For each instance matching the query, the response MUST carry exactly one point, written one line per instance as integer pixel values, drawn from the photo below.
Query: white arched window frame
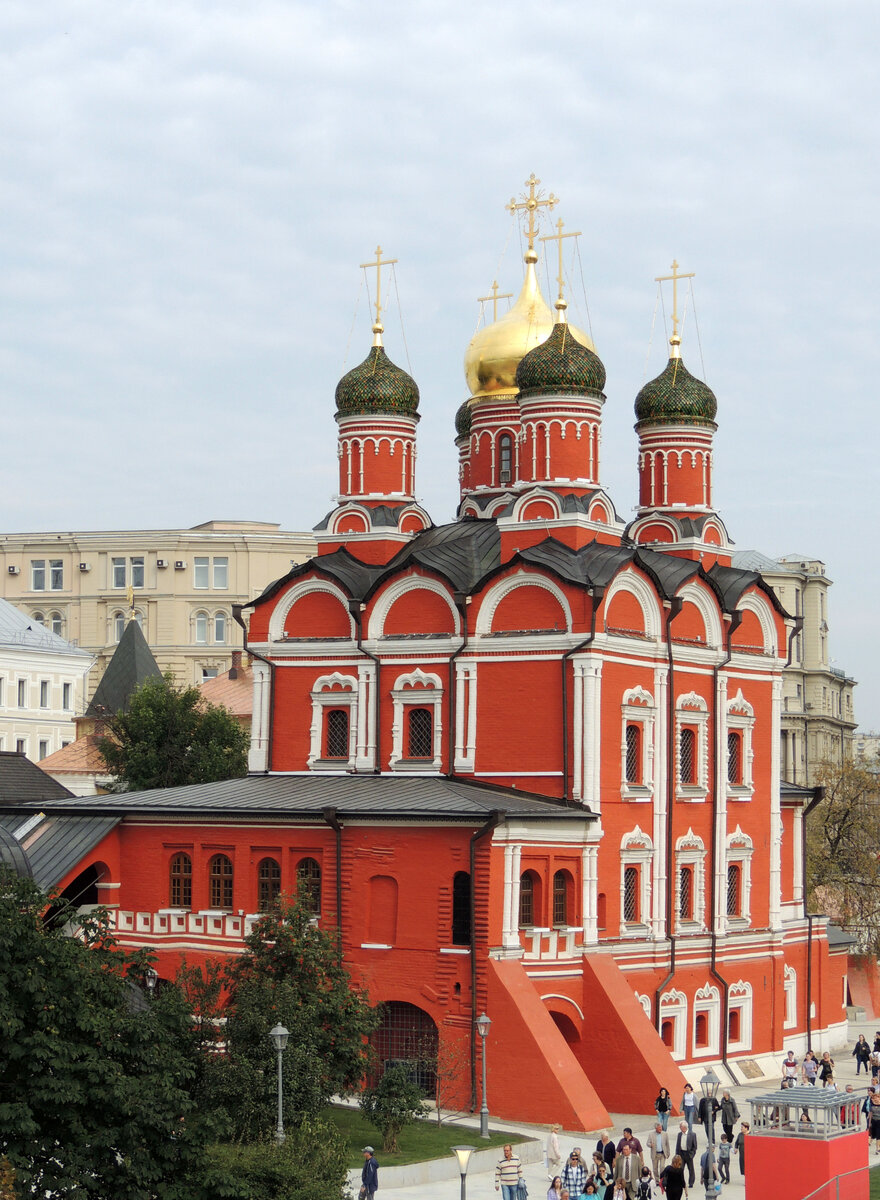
(690, 856)
(739, 1000)
(636, 852)
(674, 1008)
(707, 1002)
(56, 623)
(645, 1002)
(118, 626)
(329, 692)
(707, 607)
(200, 628)
(220, 628)
(755, 603)
(419, 689)
(739, 853)
(403, 587)
(691, 712)
(498, 591)
(638, 710)
(741, 720)
(644, 593)
(789, 986)
(281, 612)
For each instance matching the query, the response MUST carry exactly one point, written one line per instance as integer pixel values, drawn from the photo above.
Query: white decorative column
(510, 929)
(719, 917)
(465, 715)
(661, 799)
(577, 733)
(775, 809)
(366, 718)
(591, 730)
(258, 756)
(590, 873)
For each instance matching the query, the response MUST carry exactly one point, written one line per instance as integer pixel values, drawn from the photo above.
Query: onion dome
(561, 365)
(676, 397)
(496, 351)
(463, 421)
(377, 386)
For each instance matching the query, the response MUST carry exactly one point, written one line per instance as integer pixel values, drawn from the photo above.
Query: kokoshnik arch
(527, 762)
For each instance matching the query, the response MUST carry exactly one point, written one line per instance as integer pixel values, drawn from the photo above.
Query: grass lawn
(418, 1142)
(875, 1183)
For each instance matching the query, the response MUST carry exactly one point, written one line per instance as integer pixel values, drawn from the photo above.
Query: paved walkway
(481, 1184)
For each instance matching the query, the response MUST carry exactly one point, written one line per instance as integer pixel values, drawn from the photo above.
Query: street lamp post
(709, 1085)
(279, 1035)
(463, 1154)
(483, 1023)
(151, 978)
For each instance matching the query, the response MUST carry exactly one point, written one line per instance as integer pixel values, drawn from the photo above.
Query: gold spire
(561, 304)
(530, 204)
(675, 340)
(378, 327)
(495, 297)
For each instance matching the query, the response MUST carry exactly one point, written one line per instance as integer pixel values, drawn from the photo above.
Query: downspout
(596, 595)
(675, 606)
(795, 630)
(460, 601)
(354, 608)
(735, 620)
(495, 819)
(818, 797)
(329, 815)
(810, 919)
(236, 616)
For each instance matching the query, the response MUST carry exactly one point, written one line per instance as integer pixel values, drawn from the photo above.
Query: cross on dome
(530, 204)
(378, 327)
(675, 340)
(495, 297)
(561, 304)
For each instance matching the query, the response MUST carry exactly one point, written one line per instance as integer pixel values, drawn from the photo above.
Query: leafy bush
(309, 1165)
(395, 1101)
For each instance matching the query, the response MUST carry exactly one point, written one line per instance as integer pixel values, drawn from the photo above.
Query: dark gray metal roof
(377, 797)
(838, 938)
(132, 663)
(58, 842)
(381, 515)
(23, 782)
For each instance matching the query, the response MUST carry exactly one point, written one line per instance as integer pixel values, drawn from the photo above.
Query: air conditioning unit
(180, 565)
(14, 570)
(85, 567)
(161, 563)
(505, 477)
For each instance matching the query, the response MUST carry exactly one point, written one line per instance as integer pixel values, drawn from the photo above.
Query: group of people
(812, 1070)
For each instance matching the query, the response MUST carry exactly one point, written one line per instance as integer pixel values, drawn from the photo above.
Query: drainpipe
(236, 616)
(596, 595)
(354, 608)
(329, 815)
(818, 797)
(460, 601)
(495, 819)
(675, 606)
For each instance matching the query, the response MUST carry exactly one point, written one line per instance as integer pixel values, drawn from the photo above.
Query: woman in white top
(554, 1154)
(688, 1105)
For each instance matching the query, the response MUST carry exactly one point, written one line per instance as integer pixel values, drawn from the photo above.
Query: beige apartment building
(818, 718)
(180, 585)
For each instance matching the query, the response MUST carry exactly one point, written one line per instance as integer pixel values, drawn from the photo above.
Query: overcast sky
(187, 190)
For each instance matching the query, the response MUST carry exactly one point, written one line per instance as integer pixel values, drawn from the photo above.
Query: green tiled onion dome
(676, 397)
(463, 421)
(561, 364)
(377, 386)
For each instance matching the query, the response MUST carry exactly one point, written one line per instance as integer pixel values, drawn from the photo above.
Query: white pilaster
(258, 756)
(775, 809)
(591, 732)
(590, 873)
(661, 799)
(719, 917)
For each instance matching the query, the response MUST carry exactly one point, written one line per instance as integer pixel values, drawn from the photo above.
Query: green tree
(94, 1080)
(170, 737)
(395, 1102)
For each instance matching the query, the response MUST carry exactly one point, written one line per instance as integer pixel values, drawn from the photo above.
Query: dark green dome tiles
(463, 421)
(377, 386)
(676, 396)
(561, 365)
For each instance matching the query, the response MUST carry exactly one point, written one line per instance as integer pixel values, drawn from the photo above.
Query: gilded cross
(379, 264)
(495, 297)
(675, 276)
(530, 204)
(559, 237)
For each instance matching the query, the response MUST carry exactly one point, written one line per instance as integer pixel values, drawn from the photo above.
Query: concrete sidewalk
(428, 1185)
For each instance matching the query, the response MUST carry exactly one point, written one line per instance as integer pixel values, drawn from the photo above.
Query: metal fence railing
(851, 1185)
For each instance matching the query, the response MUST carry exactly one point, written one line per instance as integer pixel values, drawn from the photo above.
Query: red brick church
(528, 762)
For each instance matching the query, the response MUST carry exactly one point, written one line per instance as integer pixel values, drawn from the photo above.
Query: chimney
(236, 664)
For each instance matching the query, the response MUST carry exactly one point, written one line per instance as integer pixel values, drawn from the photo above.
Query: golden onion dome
(496, 350)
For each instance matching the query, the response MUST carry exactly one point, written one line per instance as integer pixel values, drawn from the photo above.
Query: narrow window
(21, 746)
(420, 733)
(686, 894)
(308, 885)
(38, 575)
(181, 881)
(734, 758)
(44, 693)
(137, 572)
(527, 899)
(667, 1033)
(56, 574)
(201, 629)
(733, 890)
(461, 909)
(221, 572)
(22, 693)
(701, 1031)
(633, 754)
(560, 898)
(220, 879)
(44, 749)
(337, 733)
(268, 883)
(40, 618)
(631, 894)
(118, 626)
(505, 457)
(56, 623)
(200, 572)
(687, 756)
(733, 1025)
(1, 689)
(219, 629)
(118, 565)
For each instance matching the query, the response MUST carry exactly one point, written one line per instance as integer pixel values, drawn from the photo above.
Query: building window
(44, 693)
(201, 627)
(707, 1020)
(740, 727)
(21, 745)
(221, 573)
(118, 572)
(56, 623)
(633, 754)
(40, 618)
(308, 885)
(201, 572)
(701, 1031)
(631, 895)
(118, 626)
(690, 858)
(38, 576)
(636, 859)
(2, 681)
(561, 902)
(527, 899)
(44, 748)
(137, 572)
(219, 629)
(505, 457)
(22, 693)
(686, 894)
(337, 733)
(734, 890)
(687, 756)
(220, 880)
(65, 696)
(209, 673)
(420, 733)
(734, 758)
(268, 883)
(180, 877)
(461, 909)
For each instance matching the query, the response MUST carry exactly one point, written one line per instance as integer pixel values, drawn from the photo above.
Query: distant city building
(866, 746)
(180, 585)
(818, 719)
(42, 683)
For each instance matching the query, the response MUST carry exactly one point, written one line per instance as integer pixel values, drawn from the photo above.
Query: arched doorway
(406, 1034)
(567, 1028)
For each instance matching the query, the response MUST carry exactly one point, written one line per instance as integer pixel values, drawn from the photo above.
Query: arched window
(631, 894)
(686, 893)
(40, 618)
(633, 754)
(118, 626)
(308, 885)
(734, 890)
(602, 911)
(337, 733)
(527, 899)
(701, 1030)
(461, 909)
(219, 629)
(201, 628)
(268, 883)
(733, 1025)
(420, 733)
(220, 881)
(560, 898)
(56, 623)
(505, 457)
(687, 756)
(734, 758)
(180, 878)
(667, 1030)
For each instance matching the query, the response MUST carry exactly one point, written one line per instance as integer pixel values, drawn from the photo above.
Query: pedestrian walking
(862, 1054)
(369, 1174)
(508, 1173)
(729, 1113)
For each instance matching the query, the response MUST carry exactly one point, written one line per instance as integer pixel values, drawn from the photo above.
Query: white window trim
(691, 852)
(739, 997)
(739, 851)
(692, 711)
(333, 691)
(419, 689)
(789, 986)
(708, 1001)
(645, 1002)
(674, 1007)
(637, 850)
(197, 561)
(741, 719)
(638, 709)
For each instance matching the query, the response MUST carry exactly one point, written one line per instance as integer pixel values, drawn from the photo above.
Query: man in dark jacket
(370, 1173)
(686, 1147)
